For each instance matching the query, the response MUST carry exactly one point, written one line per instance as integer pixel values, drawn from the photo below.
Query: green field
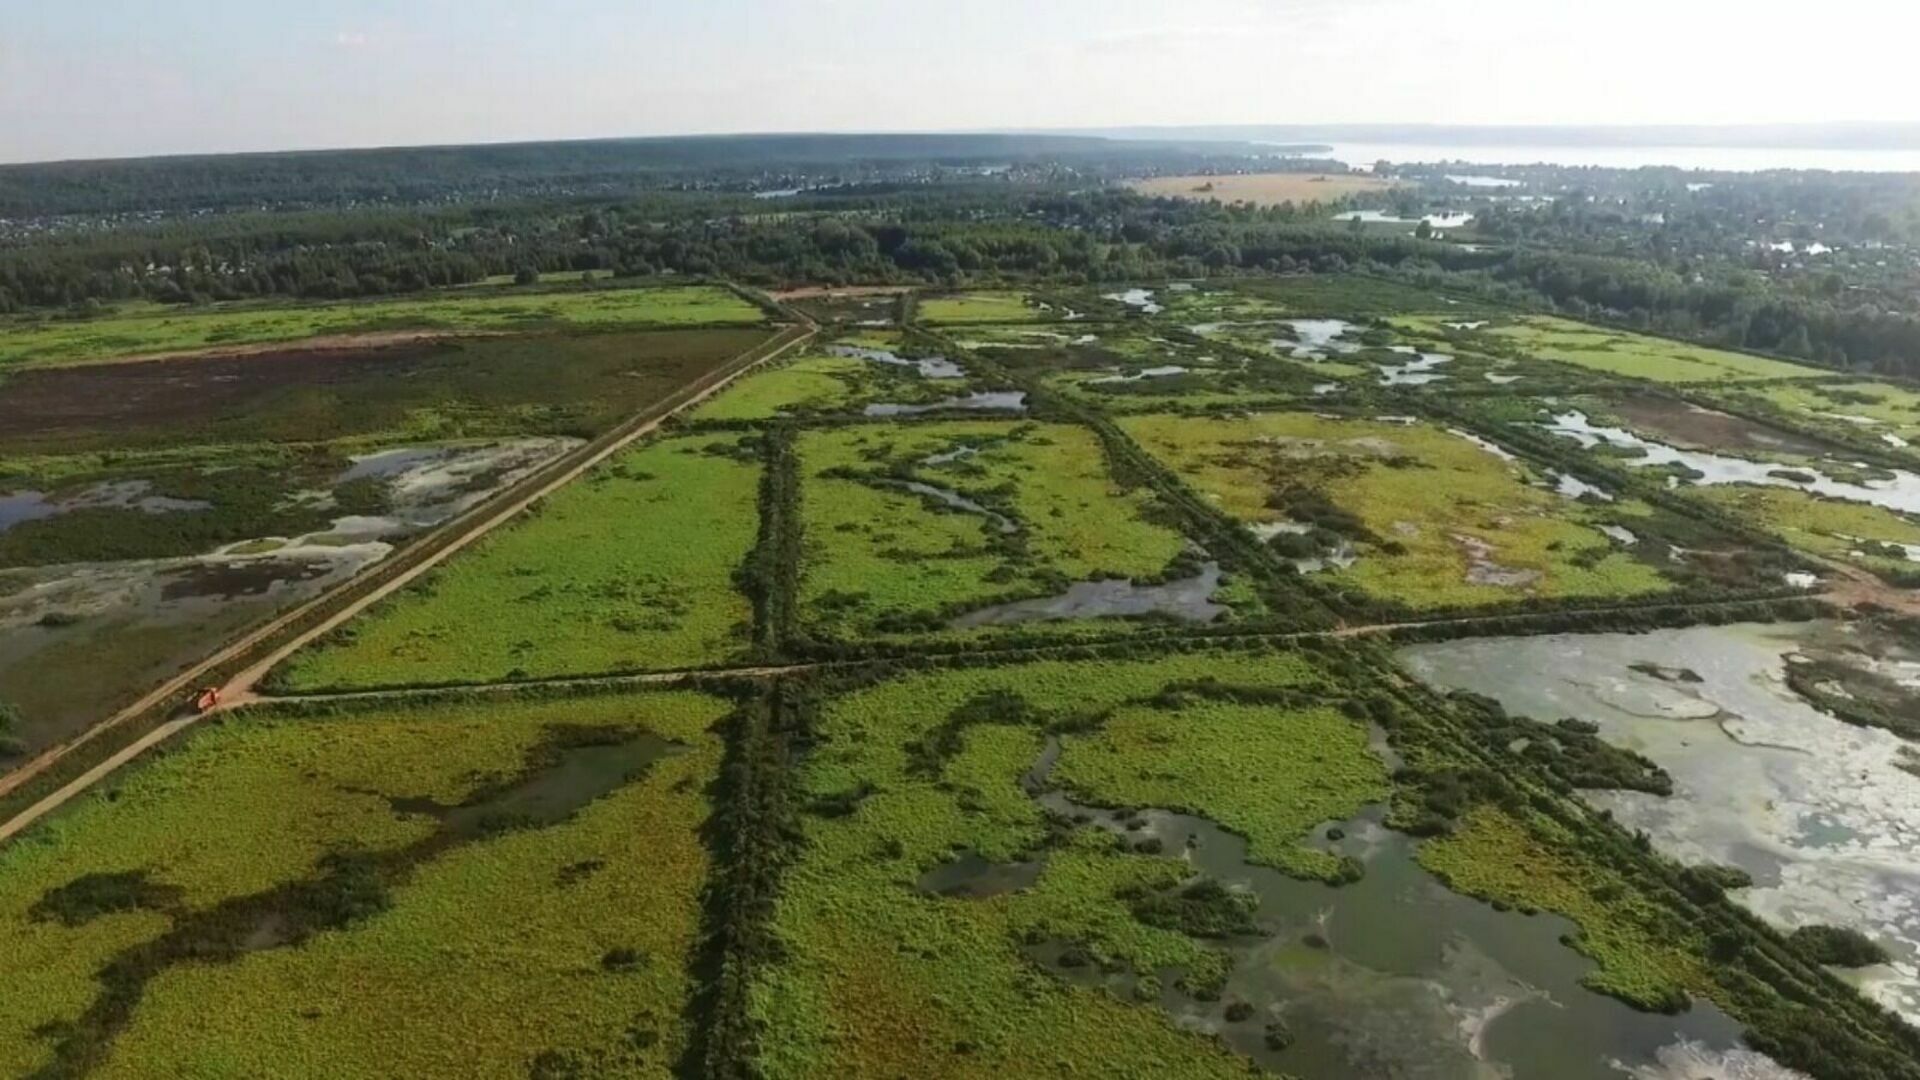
(1872, 413)
(828, 381)
(880, 558)
(149, 329)
(980, 307)
(321, 894)
(630, 569)
(1637, 356)
(1867, 536)
(1436, 520)
(877, 978)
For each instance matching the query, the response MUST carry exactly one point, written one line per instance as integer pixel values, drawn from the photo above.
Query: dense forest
(1650, 248)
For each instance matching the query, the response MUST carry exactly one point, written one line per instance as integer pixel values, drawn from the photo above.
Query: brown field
(1263, 189)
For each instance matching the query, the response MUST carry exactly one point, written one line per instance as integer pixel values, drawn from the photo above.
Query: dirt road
(239, 690)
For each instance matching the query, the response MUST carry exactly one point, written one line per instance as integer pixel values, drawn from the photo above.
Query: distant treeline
(1052, 229)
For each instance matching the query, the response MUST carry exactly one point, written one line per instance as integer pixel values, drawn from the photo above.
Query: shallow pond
(1820, 812)
(1315, 338)
(1190, 599)
(1416, 372)
(985, 401)
(1394, 976)
(1901, 492)
(1165, 371)
(929, 367)
(957, 501)
(22, 506)
(1140, 300)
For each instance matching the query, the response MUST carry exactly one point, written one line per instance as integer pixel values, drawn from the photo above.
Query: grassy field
(881, 979)
(1263, 189)
(1436, 520)
(457, 890)
(1637, 356)
(1870, 412)
(880, 558)
(540, 384)
(980, 307)
(630, 569)
(1867, 536)
(150, 329)
(837, 380)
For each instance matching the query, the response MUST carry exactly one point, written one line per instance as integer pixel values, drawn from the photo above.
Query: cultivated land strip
(237, 689)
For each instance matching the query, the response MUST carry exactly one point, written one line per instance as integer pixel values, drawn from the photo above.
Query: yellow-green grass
(1644, 954)
(877, 978)
(484, 957)
(1638, 356)
(979, 307)
(806, 384)
(1848, 531)
(1862, 410)
(149, 329)
(1427, 497)
(630, 569)
(878, 556)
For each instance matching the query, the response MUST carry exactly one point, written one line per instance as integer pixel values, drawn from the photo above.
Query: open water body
(1821, 813)
(1393, 977)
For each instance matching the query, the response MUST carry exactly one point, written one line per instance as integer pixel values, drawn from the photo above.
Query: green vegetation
(1437, 520)
(1838, 946)
(841, 378)
(884, 558)
(1637, 356)
(1646, 955)
(332, 888)
(911, 773)
(1878, 415)
(980, 307)
(630, 570)
(149, 329)
(1867, 536)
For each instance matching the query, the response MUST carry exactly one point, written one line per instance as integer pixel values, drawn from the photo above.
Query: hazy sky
(96, 78)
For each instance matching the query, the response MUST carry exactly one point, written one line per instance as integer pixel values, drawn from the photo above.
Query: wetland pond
(1899, 490)
(929, 367)
(1188, 599)
(1393, 976)
(1824, 815)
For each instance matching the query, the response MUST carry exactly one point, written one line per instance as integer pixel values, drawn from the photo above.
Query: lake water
(1819, 812)
(1718, 159)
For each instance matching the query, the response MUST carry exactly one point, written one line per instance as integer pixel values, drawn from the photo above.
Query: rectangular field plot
(629, 569)
(1636, 356)
(1410, 512)
(151, 329)
(561, 384)
(994, 876)
(961, 526)
(872, 373)
(983, 307)
(454, 890)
